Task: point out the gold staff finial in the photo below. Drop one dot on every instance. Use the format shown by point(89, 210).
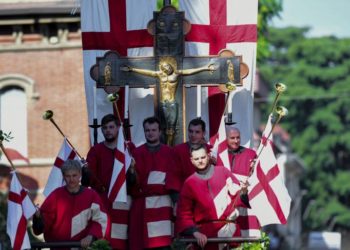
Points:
point(48, 115)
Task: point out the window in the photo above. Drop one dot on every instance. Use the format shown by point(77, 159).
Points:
point(13, 117)
point(16, 92)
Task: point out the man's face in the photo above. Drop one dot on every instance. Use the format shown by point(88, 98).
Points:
point(200, 159)
point(110, 131)
point(233, 139)
point(152, 132)
point(195, 134)
point(72, 179)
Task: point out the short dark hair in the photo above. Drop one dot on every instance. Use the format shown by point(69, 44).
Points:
point(196, 122)
point(151, 120)
point(109, 118)
point(201, 146)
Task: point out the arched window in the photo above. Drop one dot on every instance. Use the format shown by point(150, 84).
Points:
point(16, 91)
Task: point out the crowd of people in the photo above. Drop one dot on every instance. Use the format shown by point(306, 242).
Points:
point(183, 191)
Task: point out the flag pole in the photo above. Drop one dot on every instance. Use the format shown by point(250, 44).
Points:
point(281, 111)
point(6, 155)
point(10, 161)
point(48, 116)
point(113, 98)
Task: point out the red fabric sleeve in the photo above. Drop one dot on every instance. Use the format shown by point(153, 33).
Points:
point(98, 223)
point(93, 169)
point(184, 211)
point(174, 176)
point(48, 213)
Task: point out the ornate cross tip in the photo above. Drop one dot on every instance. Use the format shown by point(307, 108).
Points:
point(280, 87)
point(230, 86)
point(48, 114)
point(113, 97)
point(281, 111)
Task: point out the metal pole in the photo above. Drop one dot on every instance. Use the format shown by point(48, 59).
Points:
point(224, 239)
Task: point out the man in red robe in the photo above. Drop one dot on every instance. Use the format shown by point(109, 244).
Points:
point(151, 209)
point(100, 160)
point(234, 156)
point(239, 160)
point(208, 201)
point(71, 212)
point(184, 167)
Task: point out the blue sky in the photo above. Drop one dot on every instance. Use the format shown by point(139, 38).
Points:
point(325, 17)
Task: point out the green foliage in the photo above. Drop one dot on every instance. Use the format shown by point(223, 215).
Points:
point(100, 245)
point(174, 3)
point(5, 137)
point(263, 245)
point(316, 71)
point(266, 11)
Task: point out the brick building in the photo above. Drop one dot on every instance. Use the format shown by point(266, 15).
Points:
point(41, 69)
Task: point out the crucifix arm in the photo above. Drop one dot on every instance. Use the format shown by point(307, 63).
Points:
point(210, 67)
point(145, 72)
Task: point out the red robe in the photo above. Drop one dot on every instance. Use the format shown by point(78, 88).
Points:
point(184, 167)
point(151, 209)
point(71, 217)
point(206, 204)
point(100, 162)
point(239, 164)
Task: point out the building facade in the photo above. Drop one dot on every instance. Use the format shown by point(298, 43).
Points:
point(41, 69)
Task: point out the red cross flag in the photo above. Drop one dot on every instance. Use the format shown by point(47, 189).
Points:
point(120, 25)
point(247, 221)
point(20, 209)
point(55, 179)
point(269, 196)
point(122, 160)
point(216, 25)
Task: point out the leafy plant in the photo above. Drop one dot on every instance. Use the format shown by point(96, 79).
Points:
point(262, 245)
point(100, 245)
point(5, 137)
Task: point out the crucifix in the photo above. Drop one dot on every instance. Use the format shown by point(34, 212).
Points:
point(169, 71)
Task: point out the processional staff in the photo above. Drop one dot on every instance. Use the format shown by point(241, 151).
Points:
point(48, 115)
point(113, 98)
point(281, 112)
point(3, 137)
